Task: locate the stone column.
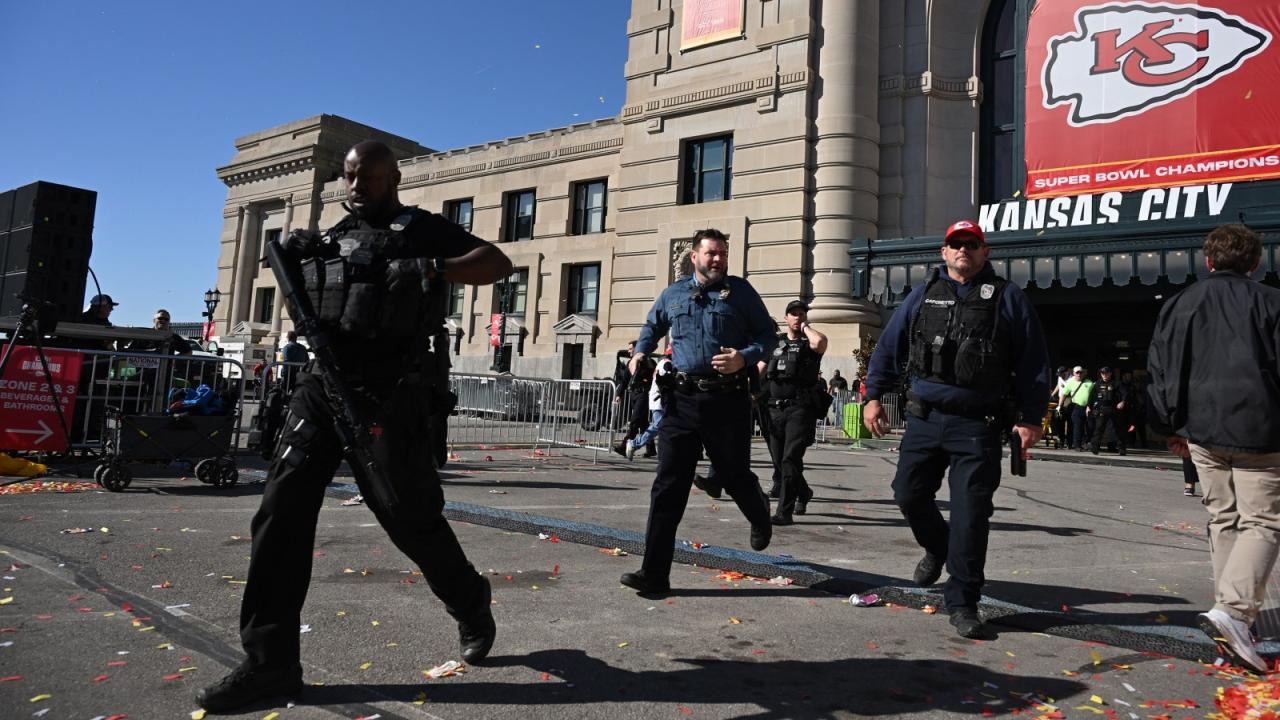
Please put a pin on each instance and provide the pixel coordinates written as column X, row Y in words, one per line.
column 277, row 313
column 846, row 158
column 242, row 292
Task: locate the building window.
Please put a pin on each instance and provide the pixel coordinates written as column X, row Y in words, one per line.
column 266, row 305
column 516, row 287
column 708, row 170
column 584, row 289
column 457, row 299
column 268, row 236
column 589, row 207
column 459, row 212
column 519, row 216
column 1000, row 168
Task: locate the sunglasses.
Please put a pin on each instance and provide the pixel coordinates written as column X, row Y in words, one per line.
column 967, row 244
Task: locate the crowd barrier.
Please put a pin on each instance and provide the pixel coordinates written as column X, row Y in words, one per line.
column 503, row 411
column 139, row 383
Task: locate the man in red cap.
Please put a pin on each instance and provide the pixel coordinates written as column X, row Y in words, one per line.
column 976, row 363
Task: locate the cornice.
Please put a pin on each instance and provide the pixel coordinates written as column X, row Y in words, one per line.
column 284, row 163
column 719, row 96
column 930, row 85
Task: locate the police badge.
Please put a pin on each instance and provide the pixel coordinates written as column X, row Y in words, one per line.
column 986, row 291
column 724, row 294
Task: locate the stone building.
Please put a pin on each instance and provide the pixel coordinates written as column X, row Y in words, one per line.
column 832, row 140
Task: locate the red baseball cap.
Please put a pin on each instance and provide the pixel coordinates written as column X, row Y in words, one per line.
column 965, row 227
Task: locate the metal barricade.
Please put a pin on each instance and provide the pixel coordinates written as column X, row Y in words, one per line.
column 276, row 371
column 495, row 411
column 580, row 414
column 141, row 383
column 894, row 410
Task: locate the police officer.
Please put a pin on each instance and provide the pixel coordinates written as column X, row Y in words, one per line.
column 719, row 330
column 1107, row 408
column 972, row 346
column 378, row 280
column 793, row 398
column 634, row 385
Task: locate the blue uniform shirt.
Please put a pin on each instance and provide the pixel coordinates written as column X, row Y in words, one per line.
column 701, row 319
column 1032, row 376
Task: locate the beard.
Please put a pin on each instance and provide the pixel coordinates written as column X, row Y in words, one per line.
column 712, row 275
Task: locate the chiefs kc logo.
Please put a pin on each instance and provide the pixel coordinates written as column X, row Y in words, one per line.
column 1125, row 58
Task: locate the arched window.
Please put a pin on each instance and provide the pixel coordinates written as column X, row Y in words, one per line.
column 1000, row 167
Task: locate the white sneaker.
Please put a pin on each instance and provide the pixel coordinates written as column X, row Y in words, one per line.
column 1233, row 640
column 631, row 451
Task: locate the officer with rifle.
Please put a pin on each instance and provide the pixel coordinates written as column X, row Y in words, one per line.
column 1107, row 406
column 795, row 403
column 977, row 367
column 370, row 296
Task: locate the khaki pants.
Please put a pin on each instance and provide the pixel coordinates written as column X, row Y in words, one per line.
column 1242, row 493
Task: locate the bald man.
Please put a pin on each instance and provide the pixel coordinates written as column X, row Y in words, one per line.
column 378, row 281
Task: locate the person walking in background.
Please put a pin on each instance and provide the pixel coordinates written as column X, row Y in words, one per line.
column 1058, row 423
column 294, row 355
column 1075, row 396
column 1107, row 406
column 660, row 381
column 1215, row 391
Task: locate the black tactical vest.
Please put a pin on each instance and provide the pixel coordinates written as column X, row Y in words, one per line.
column 793, row 365
column 1107, row 394
column 346, row 280
column 961, row 342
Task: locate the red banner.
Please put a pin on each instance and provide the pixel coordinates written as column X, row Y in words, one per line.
column 703, row 22
column 28, row 417
column 495, row 329
column 1125, row 95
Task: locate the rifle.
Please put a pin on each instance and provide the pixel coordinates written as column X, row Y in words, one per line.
column 348, row 422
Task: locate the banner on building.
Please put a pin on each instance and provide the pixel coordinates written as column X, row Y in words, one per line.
column 703, row 22
column 1128, row 95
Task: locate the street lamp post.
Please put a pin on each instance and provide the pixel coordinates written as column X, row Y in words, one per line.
column 211, row 299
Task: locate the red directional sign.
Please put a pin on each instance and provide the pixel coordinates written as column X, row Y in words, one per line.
column 28, row 418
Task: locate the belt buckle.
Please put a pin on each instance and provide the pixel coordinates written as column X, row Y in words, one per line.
column 702, row 384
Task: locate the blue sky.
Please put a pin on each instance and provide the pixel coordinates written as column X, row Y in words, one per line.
column 141, row 101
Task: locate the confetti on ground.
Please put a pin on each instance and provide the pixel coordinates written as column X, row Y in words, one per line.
column 40, row 698
column 445, row 669
column 780, row 580
column 24, row 488
column 74, row 531
column 735, row 621
column 869, row 600
column 357, row 500
column 928, row 610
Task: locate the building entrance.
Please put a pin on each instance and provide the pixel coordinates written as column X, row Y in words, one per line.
column 1096, row 326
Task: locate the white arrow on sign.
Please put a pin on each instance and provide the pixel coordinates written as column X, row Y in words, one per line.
column 44, row 432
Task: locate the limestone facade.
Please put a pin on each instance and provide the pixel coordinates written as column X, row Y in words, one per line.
column 850, row 120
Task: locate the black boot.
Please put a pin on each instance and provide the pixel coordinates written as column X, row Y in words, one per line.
column 477, row 633
column 802, row 502
column 703, row 484
column 247, row 685
column 645, row 585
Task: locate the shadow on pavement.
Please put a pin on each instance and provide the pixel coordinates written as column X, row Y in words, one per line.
column 781, row 689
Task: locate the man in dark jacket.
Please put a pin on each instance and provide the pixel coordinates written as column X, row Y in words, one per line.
column 1108, row 406
column 1215, row 390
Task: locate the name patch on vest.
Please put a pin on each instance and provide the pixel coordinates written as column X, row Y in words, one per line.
column 943, row 303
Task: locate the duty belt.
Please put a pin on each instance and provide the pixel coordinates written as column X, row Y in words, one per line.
column 689, row 384
column 781, row 403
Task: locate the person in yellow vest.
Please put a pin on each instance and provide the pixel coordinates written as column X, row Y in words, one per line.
column 1076, row 393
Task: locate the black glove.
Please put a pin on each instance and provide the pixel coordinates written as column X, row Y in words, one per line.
column 400, row 273
column 301, row 243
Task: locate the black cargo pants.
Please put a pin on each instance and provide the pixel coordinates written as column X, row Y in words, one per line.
column 284, row 527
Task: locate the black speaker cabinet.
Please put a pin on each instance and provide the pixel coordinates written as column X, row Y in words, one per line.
column 46, row 237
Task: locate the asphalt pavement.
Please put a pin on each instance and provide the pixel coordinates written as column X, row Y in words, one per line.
column 119, row 604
